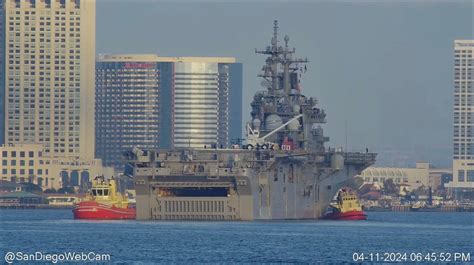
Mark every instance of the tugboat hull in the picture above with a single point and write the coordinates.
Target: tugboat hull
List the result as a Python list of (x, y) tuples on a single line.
[(99, 211), (347, 216)]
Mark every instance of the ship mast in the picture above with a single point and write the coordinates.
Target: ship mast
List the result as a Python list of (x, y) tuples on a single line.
[(279, 55)]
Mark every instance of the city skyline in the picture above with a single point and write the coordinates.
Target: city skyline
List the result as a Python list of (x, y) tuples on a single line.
[(355, 109), (224, 131), (381, 79)]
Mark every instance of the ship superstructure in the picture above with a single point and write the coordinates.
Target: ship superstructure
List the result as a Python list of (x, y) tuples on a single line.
[(281, 171)]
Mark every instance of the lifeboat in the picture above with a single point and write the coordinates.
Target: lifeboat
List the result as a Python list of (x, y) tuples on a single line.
[(346, 207), (104, 203)]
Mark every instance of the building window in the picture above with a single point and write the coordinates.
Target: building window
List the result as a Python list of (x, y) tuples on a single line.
[(470, 175), (5, 162), (5, 154), (13, 162), (22, 154), (31, 154), (461, 175)]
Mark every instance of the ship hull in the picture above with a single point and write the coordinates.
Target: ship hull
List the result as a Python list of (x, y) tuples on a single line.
[(283, 188), (296, 193), (98, 211), (347, 216)]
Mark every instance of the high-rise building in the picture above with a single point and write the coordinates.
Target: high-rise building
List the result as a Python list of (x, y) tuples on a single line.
[(206, 92), (154, 102), (128, 107), (463, 155), (47, 59), (48, 87), (2, 74)]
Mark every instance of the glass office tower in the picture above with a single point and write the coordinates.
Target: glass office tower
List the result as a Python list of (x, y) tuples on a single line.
[(156, 102)]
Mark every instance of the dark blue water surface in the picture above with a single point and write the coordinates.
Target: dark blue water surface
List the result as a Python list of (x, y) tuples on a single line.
[(54, 231)]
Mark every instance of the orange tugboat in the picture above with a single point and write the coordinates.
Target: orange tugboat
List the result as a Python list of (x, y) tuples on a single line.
[(104, 202), (346, 207)]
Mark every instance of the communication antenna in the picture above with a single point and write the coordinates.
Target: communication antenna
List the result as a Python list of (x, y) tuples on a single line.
[(345, 131)]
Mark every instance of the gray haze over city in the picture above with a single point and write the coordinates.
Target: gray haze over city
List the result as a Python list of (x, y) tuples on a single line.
[(382, 71)]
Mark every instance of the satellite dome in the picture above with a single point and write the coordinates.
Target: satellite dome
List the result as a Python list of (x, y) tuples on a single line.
[(256, 123), (272, 122), (294, 125), (296, 108)]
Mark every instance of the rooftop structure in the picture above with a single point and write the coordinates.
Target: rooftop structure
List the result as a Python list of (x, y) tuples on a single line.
[(420, 176), (155, 58)]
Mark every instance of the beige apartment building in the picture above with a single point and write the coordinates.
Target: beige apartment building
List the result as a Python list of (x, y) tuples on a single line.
[(27, 163), (414, 177), (49, 71), (47, 91), (24, 163), (463, 149)]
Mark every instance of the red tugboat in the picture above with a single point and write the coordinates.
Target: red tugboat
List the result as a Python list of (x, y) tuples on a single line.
[(346, 207), (104, 203)]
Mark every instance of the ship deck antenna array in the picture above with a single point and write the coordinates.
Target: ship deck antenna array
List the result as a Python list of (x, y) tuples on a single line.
[(279, 55), (345, 132)]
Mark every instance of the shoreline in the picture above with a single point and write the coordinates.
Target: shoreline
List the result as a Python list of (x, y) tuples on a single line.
[(36, 206), (373, 209), (409, 209)]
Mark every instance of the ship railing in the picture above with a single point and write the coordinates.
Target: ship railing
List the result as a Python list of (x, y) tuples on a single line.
[(205, 156), (187, 172), (151, 171), (359, 157), (201, 184)]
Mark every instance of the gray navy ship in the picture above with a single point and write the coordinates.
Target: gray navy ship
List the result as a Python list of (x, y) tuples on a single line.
[(281, 171)]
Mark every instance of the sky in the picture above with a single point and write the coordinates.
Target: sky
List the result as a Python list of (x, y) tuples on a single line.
[(383, 71)]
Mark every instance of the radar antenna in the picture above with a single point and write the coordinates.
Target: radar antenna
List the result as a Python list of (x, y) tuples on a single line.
[(279, 58)]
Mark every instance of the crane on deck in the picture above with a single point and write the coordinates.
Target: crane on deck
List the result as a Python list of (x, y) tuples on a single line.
[(255, 141)]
